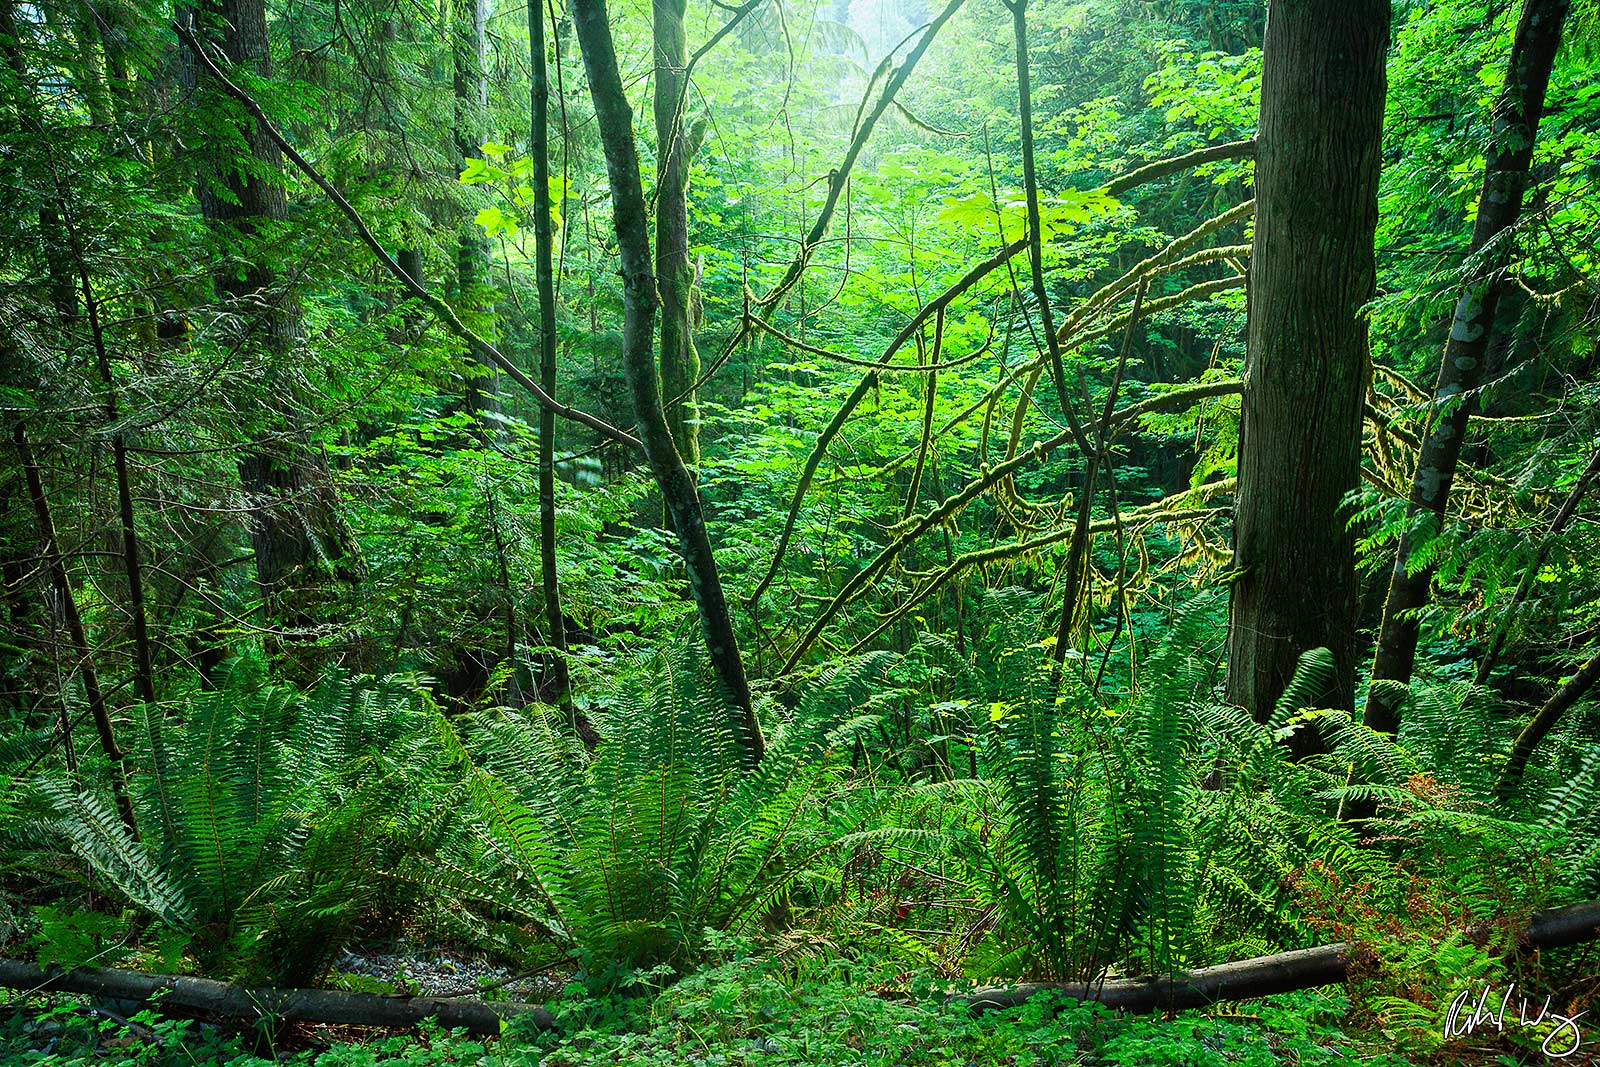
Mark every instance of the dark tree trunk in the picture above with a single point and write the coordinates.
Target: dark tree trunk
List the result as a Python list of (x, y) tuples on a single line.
[(675, 149), (1307, 363), (296, 529), (615, 121), (1505, 180), (471, 84), (559, 689), (80, 638), (63, 286)]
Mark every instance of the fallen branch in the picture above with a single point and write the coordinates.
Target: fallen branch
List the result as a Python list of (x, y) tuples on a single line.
[(237, 1004), (1265, 975), (1240, 980)]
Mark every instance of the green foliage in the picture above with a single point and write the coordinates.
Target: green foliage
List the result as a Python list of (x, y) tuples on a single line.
[(746, 1011), (632, 853), (270, 819)]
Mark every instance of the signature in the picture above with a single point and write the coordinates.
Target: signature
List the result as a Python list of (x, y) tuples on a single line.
[(1466, 1016)]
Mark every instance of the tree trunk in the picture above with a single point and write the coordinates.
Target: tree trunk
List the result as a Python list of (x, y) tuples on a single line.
[(1575, 689), (615, 121), (80, 639), (471, 83), (132, 561), (560, 686), (296, 529), (1505, 180), (253, 1007), (675, 149), (1311, 269)]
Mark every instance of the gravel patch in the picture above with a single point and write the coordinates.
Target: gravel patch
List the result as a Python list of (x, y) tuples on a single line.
[(437, 971)]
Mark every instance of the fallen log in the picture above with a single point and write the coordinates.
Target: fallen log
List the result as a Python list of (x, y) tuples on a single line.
[(250, 1007), (1240, 980), (1265, 975)]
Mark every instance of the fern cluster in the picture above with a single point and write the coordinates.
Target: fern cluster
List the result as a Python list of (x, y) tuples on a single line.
[(631, 853), (269, 820)]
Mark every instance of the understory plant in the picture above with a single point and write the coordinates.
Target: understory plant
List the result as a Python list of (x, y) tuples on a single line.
[(268, 819), (631, 853)]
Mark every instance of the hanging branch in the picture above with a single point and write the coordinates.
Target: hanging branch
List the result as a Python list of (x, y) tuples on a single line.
[(860, 393), (1159, 511), (1077, 565), (910, 529), (80, 641), (1161, 168), (1169, 258), (480, 347)]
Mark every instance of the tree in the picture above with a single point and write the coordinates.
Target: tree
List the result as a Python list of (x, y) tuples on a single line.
[(469, 24), (298, 535), (614, 118), (675, 149), (1306, 369), (1505, 180), (544, 267)]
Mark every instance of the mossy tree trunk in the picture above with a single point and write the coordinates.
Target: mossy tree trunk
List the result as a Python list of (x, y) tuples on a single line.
[(1505, 181), (614, 117), (301, 544)]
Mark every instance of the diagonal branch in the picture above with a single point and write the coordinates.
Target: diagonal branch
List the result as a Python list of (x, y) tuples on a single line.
[(480, 347)]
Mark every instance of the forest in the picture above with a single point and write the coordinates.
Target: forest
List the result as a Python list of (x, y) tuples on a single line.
[(871, 532)]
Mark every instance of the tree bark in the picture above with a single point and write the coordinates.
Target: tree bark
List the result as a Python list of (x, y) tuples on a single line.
[(615, 121), (1505, 180), (1306, 368), (132, 563), (471, 103), (296, 529), (544, 266), (237, 1004), (1265, 975), (675, 149)]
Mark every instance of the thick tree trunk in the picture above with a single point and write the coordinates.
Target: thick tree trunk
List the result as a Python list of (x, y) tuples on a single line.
[(296, 529), (615, 121), (1306, 368), (675, 149), (1505, 180)]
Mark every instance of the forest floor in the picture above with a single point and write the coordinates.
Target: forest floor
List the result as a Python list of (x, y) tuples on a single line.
[(739, 1014)]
